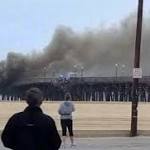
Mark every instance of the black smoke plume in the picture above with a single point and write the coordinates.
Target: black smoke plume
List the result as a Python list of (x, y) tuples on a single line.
[(97, 50)]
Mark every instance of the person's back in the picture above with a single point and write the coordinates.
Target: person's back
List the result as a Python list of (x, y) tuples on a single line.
[(31, 130), (65, 110)]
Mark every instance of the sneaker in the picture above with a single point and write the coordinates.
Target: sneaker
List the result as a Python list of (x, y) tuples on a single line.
[(73, 145), (63, 146)]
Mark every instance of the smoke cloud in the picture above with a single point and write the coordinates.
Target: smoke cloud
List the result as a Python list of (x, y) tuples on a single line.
[(96, 50)]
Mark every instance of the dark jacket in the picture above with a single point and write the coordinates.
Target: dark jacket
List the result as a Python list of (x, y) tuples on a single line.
[(31, 130)]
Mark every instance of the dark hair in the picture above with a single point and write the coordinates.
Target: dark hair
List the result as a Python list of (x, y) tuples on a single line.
[(68, 96), (34, 96)]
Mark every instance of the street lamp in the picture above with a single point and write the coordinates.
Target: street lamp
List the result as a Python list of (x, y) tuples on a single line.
[(45, 73), (116, 71), (78, 70), (123, 69), (75, 70), (82, 70)]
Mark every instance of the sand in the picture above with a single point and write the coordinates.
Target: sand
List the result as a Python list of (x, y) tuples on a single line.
[(88, 115)]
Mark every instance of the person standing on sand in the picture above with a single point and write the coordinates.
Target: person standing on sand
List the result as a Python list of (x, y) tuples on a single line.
[(65, 110)]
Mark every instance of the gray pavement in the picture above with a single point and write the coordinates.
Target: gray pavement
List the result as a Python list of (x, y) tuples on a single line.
[(108, 143)]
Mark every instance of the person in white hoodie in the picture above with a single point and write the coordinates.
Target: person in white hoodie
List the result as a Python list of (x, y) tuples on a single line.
[(65, 110)]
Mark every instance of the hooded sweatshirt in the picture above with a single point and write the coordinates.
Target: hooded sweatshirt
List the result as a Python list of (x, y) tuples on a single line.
[(66, 109)]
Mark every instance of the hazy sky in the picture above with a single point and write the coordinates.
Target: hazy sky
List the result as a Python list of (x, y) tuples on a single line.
[(28, 25)]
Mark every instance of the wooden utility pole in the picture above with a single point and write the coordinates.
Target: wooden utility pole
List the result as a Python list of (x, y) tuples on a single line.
[(134, 115)]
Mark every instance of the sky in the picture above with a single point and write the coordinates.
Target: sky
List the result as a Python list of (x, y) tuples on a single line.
[(27, 25)]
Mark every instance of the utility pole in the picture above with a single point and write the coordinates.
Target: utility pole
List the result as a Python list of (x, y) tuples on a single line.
[(134, 115)]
